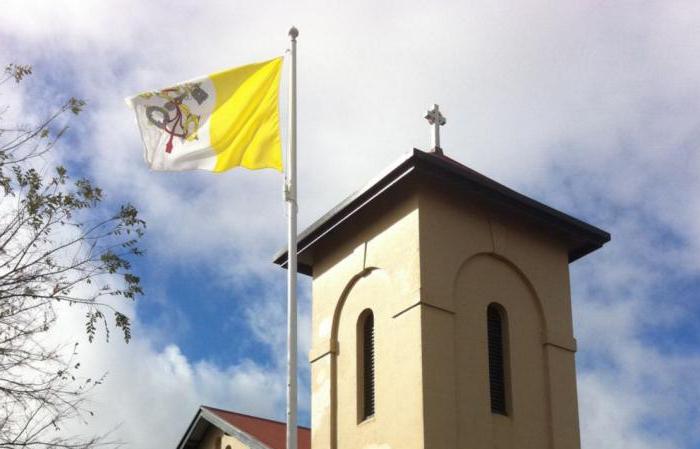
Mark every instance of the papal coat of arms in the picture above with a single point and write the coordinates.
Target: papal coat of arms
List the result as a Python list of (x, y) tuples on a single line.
[(173, 115)]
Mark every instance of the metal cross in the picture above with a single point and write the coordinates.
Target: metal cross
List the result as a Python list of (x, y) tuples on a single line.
[(436, 119)]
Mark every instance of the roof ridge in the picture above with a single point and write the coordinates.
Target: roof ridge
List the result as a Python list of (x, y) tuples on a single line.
[(251, 416)]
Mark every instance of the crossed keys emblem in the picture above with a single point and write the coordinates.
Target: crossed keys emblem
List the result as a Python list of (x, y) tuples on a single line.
[(174, 116)]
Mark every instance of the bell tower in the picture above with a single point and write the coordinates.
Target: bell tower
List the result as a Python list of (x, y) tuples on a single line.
[(442, 314)]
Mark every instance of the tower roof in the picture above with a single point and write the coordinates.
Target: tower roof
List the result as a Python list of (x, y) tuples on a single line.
[(581, 237)]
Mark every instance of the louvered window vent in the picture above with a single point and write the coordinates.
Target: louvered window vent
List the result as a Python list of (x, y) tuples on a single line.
[(496, 360), (368, 366)]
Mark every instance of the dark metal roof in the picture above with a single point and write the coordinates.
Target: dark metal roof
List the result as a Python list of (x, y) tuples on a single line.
[(584, 237)]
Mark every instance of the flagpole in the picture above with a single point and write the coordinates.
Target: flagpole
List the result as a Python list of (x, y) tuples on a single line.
[(291, 199)]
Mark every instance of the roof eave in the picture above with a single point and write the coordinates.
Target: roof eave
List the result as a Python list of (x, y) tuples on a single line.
[(204, 415), (591, 237), (190, 428)]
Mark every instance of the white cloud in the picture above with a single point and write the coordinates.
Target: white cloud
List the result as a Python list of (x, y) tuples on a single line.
[(151, 392)]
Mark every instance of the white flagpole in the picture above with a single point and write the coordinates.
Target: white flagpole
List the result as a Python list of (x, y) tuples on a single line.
[(291, 199)]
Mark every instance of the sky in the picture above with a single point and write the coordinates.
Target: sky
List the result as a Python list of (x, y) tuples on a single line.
[(592, 107)]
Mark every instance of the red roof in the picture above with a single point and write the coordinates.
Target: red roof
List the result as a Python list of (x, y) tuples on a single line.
[(271, 433)]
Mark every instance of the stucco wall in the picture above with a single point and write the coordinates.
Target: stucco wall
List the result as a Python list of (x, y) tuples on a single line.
[(216, 439), (427, 263), (473, 254), (373, 265), (211, 439), (229, 442)]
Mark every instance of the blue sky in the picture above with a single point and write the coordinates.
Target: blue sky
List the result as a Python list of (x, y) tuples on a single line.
[(591, 107)]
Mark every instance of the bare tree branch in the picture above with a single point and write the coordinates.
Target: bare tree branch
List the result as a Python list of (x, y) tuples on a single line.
[(57, 245)]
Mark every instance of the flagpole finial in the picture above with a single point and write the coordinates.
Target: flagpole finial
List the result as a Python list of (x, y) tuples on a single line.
[(293, 32)]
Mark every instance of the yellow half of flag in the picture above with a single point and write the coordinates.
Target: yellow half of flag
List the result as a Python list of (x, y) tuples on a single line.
[(218, 122)]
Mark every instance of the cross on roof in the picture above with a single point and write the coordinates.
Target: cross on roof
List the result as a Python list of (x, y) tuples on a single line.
[(436, 119)]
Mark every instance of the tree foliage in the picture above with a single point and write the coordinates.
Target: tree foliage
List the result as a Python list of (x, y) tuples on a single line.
[(59, 244)]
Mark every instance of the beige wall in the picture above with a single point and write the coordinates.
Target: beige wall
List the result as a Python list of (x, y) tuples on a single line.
[(211, 439), (427, 264), (481, 281), (473, 255), (372, 267), (232, 442), (214, 438)]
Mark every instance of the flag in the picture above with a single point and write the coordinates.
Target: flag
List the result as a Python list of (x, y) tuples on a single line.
[(218, 122)]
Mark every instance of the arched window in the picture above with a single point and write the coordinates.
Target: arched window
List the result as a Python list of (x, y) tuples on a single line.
[(497, 358), (365, 365)]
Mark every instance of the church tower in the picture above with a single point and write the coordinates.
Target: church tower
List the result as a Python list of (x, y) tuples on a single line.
[(442, 314)]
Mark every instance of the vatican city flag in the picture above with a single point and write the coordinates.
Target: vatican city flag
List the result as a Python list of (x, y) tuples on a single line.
[(226, 120), (221, 121)]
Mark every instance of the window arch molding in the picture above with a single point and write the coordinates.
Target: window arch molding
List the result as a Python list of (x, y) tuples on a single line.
[(475, 258)]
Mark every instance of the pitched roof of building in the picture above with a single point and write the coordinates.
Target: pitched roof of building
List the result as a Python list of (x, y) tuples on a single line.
[(582, 237), (255, 432)]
